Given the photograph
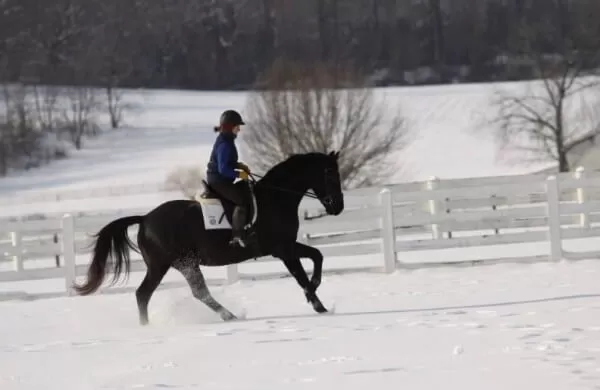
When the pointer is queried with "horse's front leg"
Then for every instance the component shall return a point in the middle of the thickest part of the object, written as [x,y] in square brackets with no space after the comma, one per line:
[293,264]
[303,250]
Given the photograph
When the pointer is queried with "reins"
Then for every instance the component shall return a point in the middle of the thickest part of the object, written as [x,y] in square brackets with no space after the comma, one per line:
[253,177]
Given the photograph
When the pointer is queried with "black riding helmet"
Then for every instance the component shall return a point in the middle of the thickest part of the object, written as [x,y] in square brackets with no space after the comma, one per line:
[232,118]
[229,119]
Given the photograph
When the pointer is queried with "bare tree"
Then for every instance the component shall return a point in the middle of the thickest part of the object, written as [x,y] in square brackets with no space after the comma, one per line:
[20,136]
[558,112]
[114,50]
[79,115]
[225,43]
[305,109]
[45,100]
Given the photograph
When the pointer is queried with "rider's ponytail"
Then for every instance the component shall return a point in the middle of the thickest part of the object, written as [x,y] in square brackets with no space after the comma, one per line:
[216,129]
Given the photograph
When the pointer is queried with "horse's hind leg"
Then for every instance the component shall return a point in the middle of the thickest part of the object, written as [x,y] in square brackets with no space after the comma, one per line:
[154,275]
[195,279]
[146,289]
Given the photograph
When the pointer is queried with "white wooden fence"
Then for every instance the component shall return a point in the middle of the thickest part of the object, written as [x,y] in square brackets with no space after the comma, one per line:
[87,193]
[391,223]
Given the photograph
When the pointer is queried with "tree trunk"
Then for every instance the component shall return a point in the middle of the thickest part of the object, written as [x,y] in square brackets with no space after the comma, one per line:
[322,17]
[437,25]
[563,163]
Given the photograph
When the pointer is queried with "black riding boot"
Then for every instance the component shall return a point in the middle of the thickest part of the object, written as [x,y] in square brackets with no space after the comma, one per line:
[238,222]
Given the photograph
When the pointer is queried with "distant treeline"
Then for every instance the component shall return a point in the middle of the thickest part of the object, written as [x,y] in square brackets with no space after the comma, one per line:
[226,44]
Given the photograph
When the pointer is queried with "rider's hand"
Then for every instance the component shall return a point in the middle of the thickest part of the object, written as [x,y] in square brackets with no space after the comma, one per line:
[243,175]
[243,167]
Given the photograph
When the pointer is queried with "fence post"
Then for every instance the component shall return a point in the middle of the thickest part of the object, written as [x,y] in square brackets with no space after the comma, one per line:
[232,273]
[448,211]
[68,249]
[56,257]
[495,207]
[16,241]
[432,184]
[306,236]
[553,198]
[387,230]
[584,220]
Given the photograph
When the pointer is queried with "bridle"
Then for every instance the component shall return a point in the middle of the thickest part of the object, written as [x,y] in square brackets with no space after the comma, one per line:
[328,199]
[253,177]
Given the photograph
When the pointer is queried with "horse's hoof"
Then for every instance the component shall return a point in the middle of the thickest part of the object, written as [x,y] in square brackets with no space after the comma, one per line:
[228,316]
[319,308]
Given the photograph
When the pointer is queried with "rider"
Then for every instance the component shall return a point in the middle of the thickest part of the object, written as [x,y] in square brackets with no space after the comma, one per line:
[221,171]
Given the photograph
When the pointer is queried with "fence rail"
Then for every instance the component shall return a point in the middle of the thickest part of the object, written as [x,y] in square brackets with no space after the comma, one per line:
[87,193]
[390,222]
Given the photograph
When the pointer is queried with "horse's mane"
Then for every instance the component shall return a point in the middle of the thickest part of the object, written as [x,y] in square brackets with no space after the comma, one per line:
[294,163]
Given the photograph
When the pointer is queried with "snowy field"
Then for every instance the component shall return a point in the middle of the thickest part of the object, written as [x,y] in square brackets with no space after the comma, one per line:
[490,327]
[498,327]
[170,129]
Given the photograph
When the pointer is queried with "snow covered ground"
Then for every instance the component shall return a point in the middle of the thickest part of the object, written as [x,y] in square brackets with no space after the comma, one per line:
[492,327]
[498,327]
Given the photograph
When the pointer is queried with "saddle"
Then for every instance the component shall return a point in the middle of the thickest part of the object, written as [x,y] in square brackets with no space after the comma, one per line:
[209,197]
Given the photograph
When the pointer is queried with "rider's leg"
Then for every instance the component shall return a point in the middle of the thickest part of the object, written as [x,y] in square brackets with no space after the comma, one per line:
[246,207]
[237,223]
[236,195]
[240,213]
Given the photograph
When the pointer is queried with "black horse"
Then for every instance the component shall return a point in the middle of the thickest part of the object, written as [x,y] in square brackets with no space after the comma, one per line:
[174,234]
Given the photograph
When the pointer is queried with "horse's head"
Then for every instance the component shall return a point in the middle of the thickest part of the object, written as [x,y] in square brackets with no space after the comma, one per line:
[323,177]
[300,173]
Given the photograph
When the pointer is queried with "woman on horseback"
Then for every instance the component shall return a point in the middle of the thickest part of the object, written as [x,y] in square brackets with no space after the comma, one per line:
[224,168]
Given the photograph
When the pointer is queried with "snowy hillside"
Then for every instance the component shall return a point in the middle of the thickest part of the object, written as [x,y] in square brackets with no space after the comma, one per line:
[174,128]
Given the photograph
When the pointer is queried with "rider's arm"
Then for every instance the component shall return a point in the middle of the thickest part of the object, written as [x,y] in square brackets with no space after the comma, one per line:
[223,161]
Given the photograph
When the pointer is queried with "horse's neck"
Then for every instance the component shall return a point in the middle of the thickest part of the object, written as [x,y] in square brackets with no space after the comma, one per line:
[287,190]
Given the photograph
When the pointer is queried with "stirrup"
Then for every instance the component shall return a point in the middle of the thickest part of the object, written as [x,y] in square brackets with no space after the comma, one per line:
[237,241]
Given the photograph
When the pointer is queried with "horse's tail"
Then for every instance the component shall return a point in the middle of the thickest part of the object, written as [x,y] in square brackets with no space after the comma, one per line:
[112,240]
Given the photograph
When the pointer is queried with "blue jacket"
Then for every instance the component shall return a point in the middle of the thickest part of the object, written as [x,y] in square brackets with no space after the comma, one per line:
[223,159]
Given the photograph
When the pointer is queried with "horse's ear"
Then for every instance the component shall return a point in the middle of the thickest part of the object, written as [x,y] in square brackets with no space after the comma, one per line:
[334,154]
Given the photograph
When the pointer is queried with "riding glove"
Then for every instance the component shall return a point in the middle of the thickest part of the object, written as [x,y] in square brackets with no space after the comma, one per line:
[243,175]
[243,167]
